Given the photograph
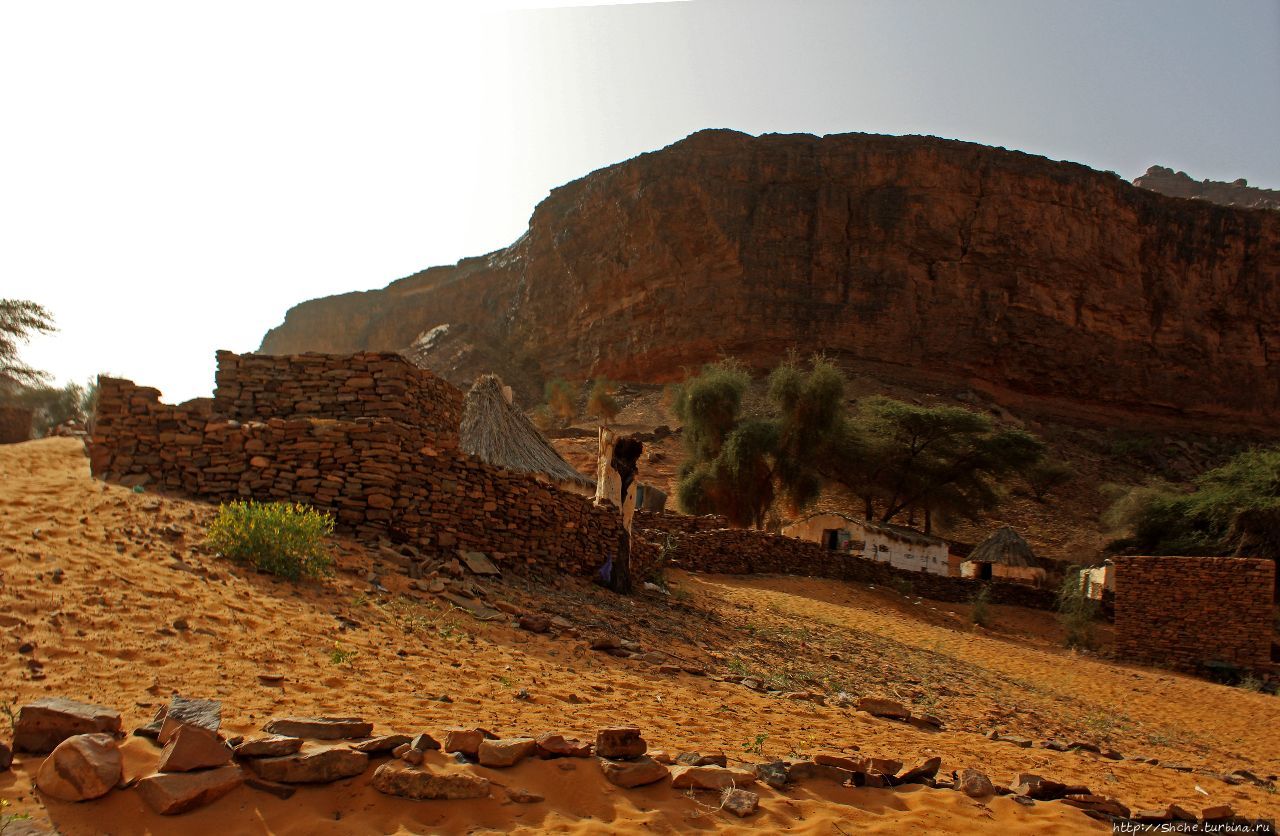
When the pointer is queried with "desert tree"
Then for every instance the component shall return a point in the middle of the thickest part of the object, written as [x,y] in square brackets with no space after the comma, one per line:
[1047,475]
[601,401]
[945,461]
[19,321]
[740,465]
[560,399]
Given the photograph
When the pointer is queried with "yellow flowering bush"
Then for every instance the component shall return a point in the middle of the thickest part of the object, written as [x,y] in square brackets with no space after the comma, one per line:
[282,538]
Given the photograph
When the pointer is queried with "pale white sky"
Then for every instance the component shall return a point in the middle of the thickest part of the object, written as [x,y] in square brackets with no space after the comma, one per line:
[174,176]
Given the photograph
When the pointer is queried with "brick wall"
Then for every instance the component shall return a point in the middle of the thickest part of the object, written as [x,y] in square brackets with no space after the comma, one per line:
[15,424]
[380,476]
[697,547]
[1186,611]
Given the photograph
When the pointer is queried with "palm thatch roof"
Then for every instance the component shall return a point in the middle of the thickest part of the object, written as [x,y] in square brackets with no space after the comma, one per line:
[497,432]
[1006,547]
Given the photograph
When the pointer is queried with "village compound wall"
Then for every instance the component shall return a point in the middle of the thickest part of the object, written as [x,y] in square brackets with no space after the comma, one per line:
[1184,612]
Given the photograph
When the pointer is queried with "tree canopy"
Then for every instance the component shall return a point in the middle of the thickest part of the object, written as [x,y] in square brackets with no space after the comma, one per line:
[1234,509]
[19,321]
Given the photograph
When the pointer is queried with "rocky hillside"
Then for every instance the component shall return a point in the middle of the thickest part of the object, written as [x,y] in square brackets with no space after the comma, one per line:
[1179,184]
[933,263]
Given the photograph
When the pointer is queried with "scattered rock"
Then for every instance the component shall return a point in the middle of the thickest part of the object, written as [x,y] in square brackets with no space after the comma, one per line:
[741,803]
[1084,746]
[842,761]
[1178,767]
[620,742]
[6,757]
[1155,816]
[1056,745]
[774,774]
[882,707]
[606,643]
[505,751]
[424,742]
[1218,812]
[1098,805]
[43,724]
[534,623]
[523,796]
[185,711]
[466,741]
[381,745]
[709,777]
[271,678]
[923,771]
[320,728]
[421,784]
[151,731]
[408,754]
[695,759]
[637,772]
[974,784]
[191,748]
[558,746]
[82,767]
[170,794]
[320,767]
[269,747]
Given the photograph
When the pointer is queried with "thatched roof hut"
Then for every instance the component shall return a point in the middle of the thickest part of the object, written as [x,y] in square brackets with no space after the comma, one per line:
[1006,548]
[494,430]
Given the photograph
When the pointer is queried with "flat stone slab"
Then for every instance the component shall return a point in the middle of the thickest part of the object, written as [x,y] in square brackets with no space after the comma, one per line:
[178,792]
[475,608]
[43,724]
[275,746]
[424,784]
[479,563]
[710,777]
[380,745]
[189,711]
[320,767]
[637,772]
[320,728]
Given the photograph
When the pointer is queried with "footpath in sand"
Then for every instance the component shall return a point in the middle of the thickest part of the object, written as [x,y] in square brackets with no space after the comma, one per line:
[123,607]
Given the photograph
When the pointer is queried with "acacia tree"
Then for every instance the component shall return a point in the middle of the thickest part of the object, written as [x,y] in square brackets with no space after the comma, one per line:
[601,402]
[943,461]
[19,320]
[739,465]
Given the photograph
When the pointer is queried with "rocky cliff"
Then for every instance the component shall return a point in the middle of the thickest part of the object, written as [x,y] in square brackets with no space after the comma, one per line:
[926,260]
[1179,184]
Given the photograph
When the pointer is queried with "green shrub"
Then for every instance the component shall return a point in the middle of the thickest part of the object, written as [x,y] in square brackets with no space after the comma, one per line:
[281,538]
[1076,611]
[979,602]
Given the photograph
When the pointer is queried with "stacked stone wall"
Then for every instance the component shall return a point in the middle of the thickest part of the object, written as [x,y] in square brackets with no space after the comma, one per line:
[746,552]
[344,387]
[15,424]
[1189,612]
[379,476]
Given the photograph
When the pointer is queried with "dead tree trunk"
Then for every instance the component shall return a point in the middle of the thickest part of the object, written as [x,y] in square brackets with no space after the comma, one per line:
[615,485]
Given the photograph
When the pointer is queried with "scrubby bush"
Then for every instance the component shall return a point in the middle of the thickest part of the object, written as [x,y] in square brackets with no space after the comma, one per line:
[979,612]
[601,402]
[1076,611]
[280,538]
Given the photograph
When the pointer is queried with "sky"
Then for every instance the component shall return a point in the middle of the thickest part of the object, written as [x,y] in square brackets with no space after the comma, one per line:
[175,176]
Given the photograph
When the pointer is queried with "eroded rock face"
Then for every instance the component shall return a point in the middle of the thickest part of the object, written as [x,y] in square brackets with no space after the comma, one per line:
[81,767]
[1179,184]
[925,260]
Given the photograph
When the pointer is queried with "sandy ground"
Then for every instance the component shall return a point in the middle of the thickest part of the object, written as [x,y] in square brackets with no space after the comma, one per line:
[140,611]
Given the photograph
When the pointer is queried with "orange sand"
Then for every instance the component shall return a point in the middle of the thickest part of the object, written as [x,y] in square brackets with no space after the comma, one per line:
[133,565]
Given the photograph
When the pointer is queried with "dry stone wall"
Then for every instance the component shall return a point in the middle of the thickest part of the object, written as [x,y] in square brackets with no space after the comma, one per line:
[379,475]
[746,552]
[15,424]
[1185,612]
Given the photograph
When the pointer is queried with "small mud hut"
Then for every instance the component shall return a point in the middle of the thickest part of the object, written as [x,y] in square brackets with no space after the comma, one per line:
[497,432]
[1003,556]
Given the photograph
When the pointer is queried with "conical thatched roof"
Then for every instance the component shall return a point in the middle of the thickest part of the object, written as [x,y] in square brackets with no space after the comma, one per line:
[1007,547]
[500,434]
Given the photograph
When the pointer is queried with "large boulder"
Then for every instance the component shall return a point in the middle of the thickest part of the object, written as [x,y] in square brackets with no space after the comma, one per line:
[81,767]
[423,784]
[319,767]
[43,724]
[188,711]
[320,728]
[171,793]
